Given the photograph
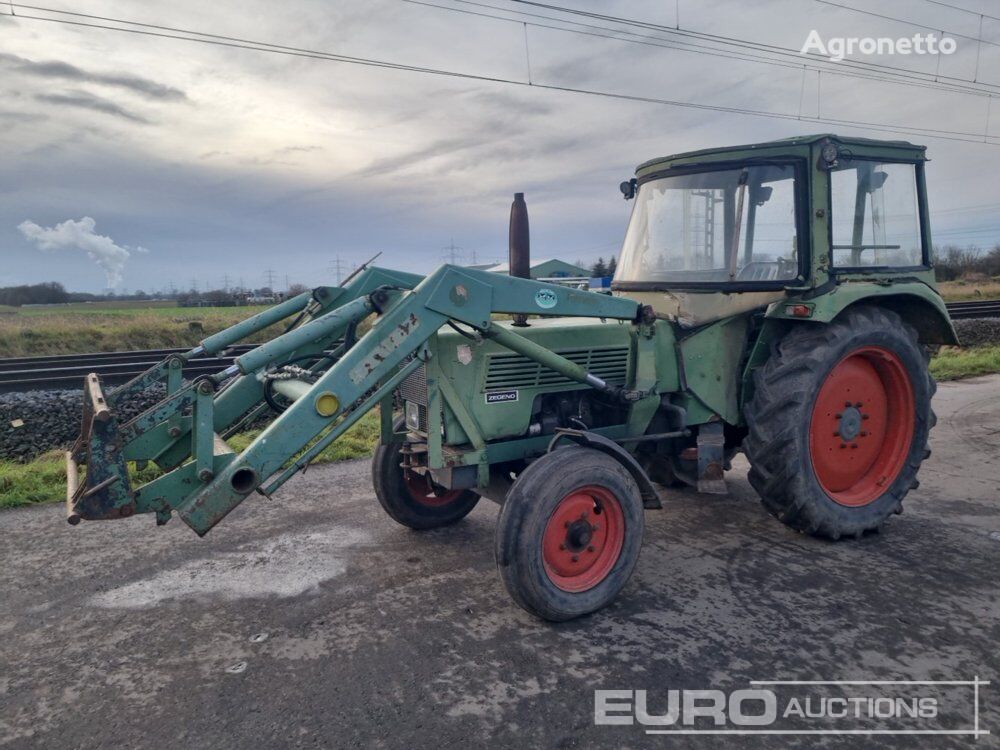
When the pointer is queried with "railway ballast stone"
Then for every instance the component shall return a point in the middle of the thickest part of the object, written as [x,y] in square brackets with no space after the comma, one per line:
[978,331]
[33,422]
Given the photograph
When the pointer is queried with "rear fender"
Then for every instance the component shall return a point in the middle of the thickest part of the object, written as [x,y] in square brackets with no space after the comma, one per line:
[916,303]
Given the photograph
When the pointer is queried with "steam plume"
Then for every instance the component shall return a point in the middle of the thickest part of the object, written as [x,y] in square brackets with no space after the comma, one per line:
[80,235]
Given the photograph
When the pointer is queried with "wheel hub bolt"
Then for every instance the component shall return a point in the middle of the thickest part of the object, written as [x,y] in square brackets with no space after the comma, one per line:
[576,558]
[590,548]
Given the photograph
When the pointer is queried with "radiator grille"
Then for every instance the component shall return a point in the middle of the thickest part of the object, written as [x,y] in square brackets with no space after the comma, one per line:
[517,371]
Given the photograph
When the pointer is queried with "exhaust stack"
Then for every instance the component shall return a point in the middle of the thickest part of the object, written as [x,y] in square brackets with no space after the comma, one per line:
[519,246]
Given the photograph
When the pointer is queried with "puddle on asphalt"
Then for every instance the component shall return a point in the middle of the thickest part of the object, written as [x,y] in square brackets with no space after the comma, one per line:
[285,566]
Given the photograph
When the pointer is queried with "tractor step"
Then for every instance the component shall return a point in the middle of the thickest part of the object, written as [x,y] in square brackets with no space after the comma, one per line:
[711,459]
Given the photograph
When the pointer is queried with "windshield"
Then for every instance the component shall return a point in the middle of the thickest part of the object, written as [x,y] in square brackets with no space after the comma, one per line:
[734,225]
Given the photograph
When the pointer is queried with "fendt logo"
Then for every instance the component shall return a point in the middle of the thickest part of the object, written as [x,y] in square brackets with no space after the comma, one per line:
[801,707]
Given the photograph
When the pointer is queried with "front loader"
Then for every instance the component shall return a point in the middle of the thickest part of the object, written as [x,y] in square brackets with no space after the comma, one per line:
[774,299]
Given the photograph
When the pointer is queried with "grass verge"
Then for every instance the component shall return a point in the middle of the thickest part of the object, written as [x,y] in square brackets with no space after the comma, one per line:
[964,291]
[44,479]
[952,363]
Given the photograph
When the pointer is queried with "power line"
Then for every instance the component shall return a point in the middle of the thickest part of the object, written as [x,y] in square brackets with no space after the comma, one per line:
[908,22]
[235,42]
[337,266]
[913,79]
[963,10]
[735,41]
[452,252]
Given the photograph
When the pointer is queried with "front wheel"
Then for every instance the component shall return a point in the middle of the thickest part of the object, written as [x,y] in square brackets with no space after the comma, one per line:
[569,533]
[839,423]
[412,499]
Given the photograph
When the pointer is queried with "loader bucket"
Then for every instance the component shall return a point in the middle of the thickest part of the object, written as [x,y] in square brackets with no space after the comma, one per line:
[106,490]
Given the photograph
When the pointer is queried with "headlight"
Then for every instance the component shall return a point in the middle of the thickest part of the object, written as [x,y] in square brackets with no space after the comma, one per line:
[412,416]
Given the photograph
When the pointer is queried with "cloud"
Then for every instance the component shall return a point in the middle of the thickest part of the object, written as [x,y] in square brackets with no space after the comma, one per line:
[80,235]
[293,149]
[84,100]
[68,72]
[21,116]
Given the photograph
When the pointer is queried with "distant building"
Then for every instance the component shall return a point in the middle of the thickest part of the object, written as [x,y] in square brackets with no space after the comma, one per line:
[543,268]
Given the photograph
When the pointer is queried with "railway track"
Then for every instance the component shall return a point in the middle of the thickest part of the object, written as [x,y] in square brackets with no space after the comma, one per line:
[68,371]
[974,309]
[115,368]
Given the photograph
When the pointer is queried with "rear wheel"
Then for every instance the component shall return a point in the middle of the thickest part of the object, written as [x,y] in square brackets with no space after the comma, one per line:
[412,499]
[569,533]
[839,423]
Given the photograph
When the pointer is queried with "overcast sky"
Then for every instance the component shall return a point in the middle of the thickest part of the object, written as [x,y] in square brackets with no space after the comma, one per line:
[205,162]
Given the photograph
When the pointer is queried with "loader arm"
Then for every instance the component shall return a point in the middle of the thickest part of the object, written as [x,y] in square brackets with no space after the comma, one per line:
[208,479]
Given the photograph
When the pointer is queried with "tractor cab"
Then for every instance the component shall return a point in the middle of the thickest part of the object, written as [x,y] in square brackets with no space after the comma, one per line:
[719,232]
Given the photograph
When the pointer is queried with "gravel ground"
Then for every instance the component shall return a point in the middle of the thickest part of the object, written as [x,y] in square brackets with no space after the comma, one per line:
[978,331]
[32,422]
[314,621]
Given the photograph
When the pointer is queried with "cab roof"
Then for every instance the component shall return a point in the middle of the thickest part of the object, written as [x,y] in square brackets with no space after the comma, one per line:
[795,146]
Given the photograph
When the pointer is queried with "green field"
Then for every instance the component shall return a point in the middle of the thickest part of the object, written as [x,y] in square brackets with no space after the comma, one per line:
[82,328]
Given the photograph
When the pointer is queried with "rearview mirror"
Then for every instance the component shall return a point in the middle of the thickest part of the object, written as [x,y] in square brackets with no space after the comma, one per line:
[761,195]
[877,180]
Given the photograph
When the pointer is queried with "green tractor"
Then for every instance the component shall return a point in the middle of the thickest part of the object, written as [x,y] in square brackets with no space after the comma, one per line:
[775,298]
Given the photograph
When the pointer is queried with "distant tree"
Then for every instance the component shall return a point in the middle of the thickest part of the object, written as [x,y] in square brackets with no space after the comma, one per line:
[296,289]
[612,266]
[599,269]
[47,293]
[953,262]
[217,298]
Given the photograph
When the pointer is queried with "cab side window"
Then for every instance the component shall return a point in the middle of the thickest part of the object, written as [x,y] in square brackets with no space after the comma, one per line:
[875,215]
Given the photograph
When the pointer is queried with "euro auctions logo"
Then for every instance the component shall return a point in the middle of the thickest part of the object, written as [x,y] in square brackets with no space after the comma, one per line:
[801,707]
[837,48]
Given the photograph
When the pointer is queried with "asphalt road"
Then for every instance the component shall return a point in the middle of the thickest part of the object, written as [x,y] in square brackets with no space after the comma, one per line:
[314,621]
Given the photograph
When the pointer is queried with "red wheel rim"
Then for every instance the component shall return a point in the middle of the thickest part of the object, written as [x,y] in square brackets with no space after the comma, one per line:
[423,491]
[862,426]
[583,538]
